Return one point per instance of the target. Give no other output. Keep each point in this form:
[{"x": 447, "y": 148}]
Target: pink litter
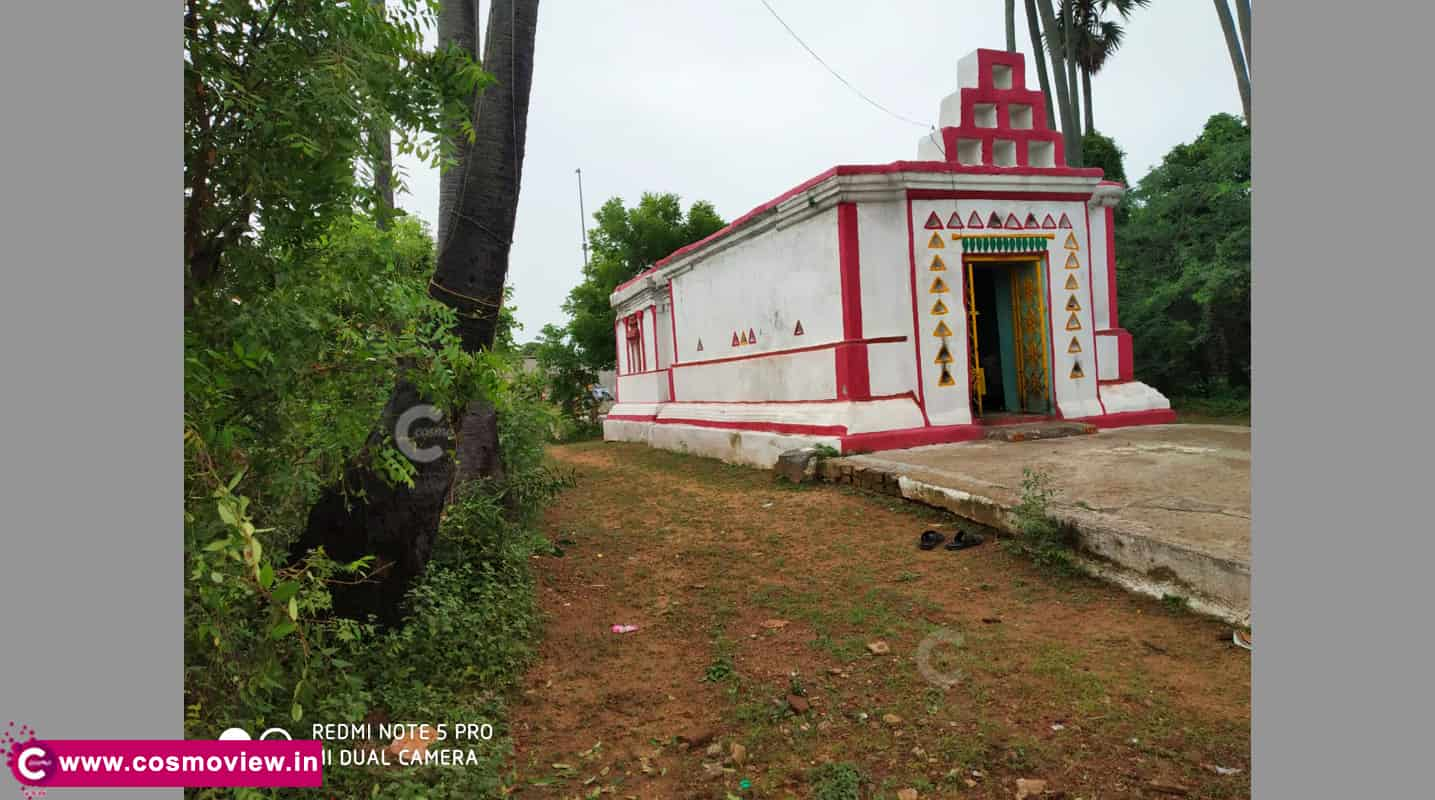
[{"x": 624, "y": 628}]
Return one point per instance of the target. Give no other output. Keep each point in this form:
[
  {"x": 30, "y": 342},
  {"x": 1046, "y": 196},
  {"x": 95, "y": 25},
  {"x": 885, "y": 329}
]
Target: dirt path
[{"x": 1099, "y": 693}]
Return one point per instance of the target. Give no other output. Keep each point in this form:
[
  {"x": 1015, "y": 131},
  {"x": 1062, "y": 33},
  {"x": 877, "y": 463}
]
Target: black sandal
[
  {"x": 963, "y": 540},
  {"x": 930, "y": 539}
]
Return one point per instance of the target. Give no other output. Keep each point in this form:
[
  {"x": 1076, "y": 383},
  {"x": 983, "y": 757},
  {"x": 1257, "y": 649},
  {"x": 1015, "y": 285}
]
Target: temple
[{"x": 886, "y": 306}]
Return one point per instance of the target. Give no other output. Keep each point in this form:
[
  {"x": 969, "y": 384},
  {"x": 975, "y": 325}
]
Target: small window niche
[
  {"x": 984, "y": 115},
  {"x": 1019, "y": 116},
  {"x": 969, "y": 151},
  {"x": 1001, "y": 76},
  {"x": 1040, "y": 154},
  {"x": 1004, "y": 153}
]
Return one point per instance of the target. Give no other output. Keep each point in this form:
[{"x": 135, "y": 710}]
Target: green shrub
[
  {"x": 840, "y": 781},
  {"x": 1039, "y": 536}
]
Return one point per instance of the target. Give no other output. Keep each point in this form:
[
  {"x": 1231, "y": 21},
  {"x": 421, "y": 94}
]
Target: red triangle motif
[
  {"x": 955, "y": 220},
  {"x": 974, "y": 221},
  {"x": 798, "y": 330},
  {"x": 1011, "y": 222},
  {"x": 994, "y": 221},
  {"x": 1048, "y": 223},
  {"x": 735, "y": 341},
  {"x": 933, "y": 221},
  {"x": 1031, "y": 221},
  {"x": 1065, "y": 221},
  {"x": 751, "y": 336}
]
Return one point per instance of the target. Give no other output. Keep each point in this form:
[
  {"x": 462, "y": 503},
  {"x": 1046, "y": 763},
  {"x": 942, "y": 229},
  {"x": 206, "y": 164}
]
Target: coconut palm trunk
[
  {"x": 1011, "y": 26},
  {"x": 1238, "y": 61},
  {"x": 1086, "y": 95},
  {"x": 1068, "y": 39},
  {"x": 1058, "y": 74},
  {"x": 1033, "y": 25}
]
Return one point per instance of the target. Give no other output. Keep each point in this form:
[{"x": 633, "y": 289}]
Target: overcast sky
[{"x": 715, "y": 101}]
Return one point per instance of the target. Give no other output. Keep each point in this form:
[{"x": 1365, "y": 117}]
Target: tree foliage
[
  {"x": 279, "y": 101},
  {"x": 625, "y": 242},
  {"x": 1102, "y": 151},
  {"x": 1184, "y": 264}
]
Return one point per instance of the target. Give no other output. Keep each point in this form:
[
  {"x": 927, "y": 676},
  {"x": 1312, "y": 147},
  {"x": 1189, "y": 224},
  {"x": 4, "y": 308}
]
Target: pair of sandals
[{"x": 961, "y": 540}]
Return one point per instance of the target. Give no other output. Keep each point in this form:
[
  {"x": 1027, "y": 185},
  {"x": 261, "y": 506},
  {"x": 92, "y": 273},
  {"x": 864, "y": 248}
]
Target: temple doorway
[{"x": 1007, "y": 339}]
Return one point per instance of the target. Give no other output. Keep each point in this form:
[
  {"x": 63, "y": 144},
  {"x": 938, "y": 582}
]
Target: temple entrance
[{"x": 1007, "y": 339}]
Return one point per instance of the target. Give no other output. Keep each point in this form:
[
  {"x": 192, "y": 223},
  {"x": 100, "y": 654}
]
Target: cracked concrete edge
[{"x": 1111, "y": 549}]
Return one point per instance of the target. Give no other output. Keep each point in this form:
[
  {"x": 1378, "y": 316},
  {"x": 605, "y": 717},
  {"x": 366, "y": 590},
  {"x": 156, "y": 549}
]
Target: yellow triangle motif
[
  {"x": 939, "y": 286},
  {"x": 939, "y": 308},
  {"x": 942, "y": 330},
  {"x": 1072, "y": 323},
  {"x": 938, "y": 265},
  {"x": 1076, "y": 370},
  {"x": 946, "y": 379},
  {"x": 936, "y": 241},
  {"x": 1072, "y": 262},
  {"x": 1071, "y": 242},
  {"x": 944, "y": 355},
  {"x": 1072, "y": 304},
  {"x": 1074, "y": 347},
  {"x": 1071, "y": 284},
  {"x": 742, "y": 339}
]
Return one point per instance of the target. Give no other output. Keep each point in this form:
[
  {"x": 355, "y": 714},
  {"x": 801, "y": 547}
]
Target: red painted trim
[
  {"x": 644, "y": 372},
  {"x": 1125, "y": 366},
  {"x": 963, "y": 194},
  {"x": 854, "y": 380},
  {"x": 901, "y": 396},
  {"x": 632, "y": 417},
  {"x": 916, "y": 319},
  {"x": 895, "y": 167},
  {"x": 1126, "y": 419},
  {"x": 1110, "y": 266},
  {"x": 910, "y": 437},
  {"x": 673, "y": 323},
  {"x": 791, "y": 351},
  {"x": 1091, "y": 305},
  {"x": 761, "y": 427},
  {"x": 672, "y": 390}
]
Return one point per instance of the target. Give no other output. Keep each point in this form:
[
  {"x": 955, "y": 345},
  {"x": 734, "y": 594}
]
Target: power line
[{"x": 838, "y": 76}]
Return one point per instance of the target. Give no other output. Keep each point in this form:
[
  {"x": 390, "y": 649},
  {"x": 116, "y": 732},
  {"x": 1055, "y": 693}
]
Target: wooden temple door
[{"x": 1029, "y": 319}]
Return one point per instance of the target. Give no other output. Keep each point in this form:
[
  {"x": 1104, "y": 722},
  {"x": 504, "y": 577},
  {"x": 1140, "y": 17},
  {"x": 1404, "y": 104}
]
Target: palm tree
[
  {"x": 1070, "y": 126},
  {"x": 1240, "y": 60},
  {"x": 1011, "y": 26},
  {"x": 1033, "y": 24},
  {"x": 1094, "y": 40}
]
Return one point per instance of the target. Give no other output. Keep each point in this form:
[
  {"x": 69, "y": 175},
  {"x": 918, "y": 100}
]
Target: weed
[
  {"x": 720, "y": 670},
  {"x": 1040, "y": 537},
  {"x": 906, "y": 576},
  {"x": 1175, "y": 602},
  {"x": 825, "y": 451},
  {"x": 840, "y": 781}
]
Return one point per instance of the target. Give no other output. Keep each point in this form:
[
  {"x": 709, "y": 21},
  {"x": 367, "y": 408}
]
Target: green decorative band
[{"x": 1004, "y": 244}]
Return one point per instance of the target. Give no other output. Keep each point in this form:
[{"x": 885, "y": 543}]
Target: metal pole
[{"x": 582, "y": 217}]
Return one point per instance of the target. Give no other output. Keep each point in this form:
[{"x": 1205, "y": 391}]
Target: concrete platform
[{"x": 1161, "y": 509}]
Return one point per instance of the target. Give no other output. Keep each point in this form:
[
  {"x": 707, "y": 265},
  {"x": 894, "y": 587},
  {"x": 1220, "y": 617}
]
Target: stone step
[{"x": 1031, "y": 431}]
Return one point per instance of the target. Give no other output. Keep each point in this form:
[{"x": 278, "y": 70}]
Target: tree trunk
[
  {"x": 1238, "y": 62},
  {"x": 1243, "y": 18},
  {"x": 1058, "y": 74},
  {"x": 478, "y": 201},
  {"x": 382, "y": 151},
  {"x": 364, "y": 515},
  {"x": 1011, "y": 26},
  {"x": 1086, "y": 92},
  {"x": 1039, "y": 56},
  {"x": 479, "y": 196},
  {"x": 1069, "y": 40}
]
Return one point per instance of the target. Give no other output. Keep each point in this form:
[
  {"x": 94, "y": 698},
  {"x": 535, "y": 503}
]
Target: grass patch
[{"x": 841, "y": 781}]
